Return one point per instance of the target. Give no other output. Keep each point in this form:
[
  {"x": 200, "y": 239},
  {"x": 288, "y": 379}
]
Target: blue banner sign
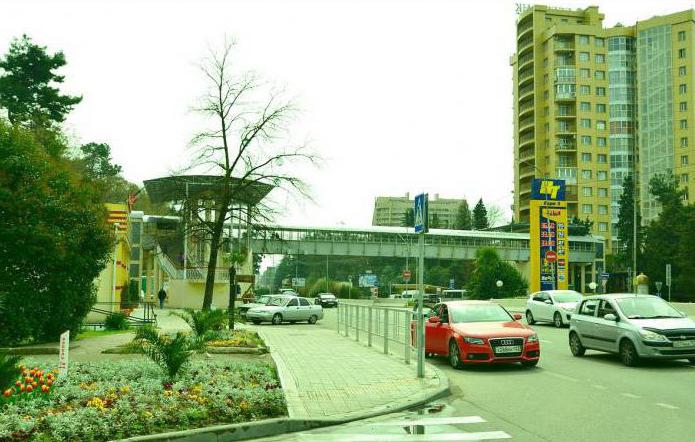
[{"x": 548, "y": 189}]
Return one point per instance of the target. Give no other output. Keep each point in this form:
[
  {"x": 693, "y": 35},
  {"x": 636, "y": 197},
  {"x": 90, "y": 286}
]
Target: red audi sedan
[{"x": 479, "y": 332}]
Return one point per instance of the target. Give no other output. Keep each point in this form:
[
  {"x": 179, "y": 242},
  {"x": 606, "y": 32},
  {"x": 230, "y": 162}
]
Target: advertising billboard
[{"x": 549, "y": 236}]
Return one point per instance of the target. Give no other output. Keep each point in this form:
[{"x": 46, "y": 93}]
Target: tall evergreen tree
[
  {"x": 463, "y": 217},
  {"x": 626, "y": 224},
  {"x": 480, "y": 221},
  {"x": 28, "y": 85}
]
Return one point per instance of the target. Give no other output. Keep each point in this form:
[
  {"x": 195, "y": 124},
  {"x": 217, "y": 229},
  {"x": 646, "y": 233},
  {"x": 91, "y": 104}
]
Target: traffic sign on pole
[
  {"x": 668, "y": 275},
  {"x": 551, "y": 256},
  {"x": 420, "y": 212}
]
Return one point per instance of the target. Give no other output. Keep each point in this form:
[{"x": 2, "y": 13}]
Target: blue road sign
[{"x": 420, "y": 209}]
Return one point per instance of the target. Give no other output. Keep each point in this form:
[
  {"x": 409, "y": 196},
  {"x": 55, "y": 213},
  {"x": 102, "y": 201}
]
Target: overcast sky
[{"x": 396, "y": 96}]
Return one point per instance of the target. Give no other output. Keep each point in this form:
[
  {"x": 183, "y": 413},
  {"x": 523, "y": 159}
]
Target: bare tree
[
  {"x": 246, "y": 145},
  {"x": 495, "y": 215}
]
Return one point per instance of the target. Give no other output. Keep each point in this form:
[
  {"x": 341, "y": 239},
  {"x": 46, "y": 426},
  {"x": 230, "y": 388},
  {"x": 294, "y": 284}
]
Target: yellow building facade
[{"x": 594, "y": 105}]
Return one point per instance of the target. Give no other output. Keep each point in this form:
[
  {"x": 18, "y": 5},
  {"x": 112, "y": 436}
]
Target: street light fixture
[
  {"x": 592, "y": 286},
  {"x": 499, "y": 285}
]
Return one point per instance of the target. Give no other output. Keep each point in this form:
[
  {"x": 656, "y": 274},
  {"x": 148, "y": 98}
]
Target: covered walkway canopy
[{"x": 205, "y": 187}]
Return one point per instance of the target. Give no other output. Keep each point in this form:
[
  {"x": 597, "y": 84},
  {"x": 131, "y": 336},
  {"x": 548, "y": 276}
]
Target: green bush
[
  {"x": 203, "y": 321},
  {"x": 117, "y": 321},
  {"x": 171, "y": 354},
  {"x": 8, "y": 370},
  {"x": 54, "y": 237},
  {"x": 489, "y": 269}
]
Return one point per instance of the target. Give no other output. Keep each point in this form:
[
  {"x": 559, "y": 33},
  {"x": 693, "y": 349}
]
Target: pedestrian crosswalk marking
[{"x": 436, "y": 421}]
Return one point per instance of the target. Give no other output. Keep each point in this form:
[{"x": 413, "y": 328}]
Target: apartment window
[
  {"x": 601, "y": 141},
  {"x": 545, "y": 60},
  {"x": 546, "y": 144},
  {"x": 681, "y": 53},
  {"x": 583, "y": 39},
  {"x": 585, "y": 106},
  {"x": 546, "y": 126},
  {"x": 681, "y": 35},
  {"x": 583, "y": 56},
  {"x": 600, "y": 42},
  {"x": 602, "y": 175},
  {"x": 684, "y": 178},
  {"x": 600, "y": 75},
  {"x": 546, "y": 111},
  {"x": 586, "y": 191},
  {"x": 545, "y": 79},
  {"x": 684, "y": 160},
  {"x": 600, "y": 58},
  {"x": 602, "y": 210},
  {"x": 587, "y": 208},
  {"x": 681, "y": 71},
  {"x": 586, "y": 123},
  {"x": 683, "y": 106},
  {"x": 584, "y": 73},
  {"x": 586, "y": 174},
  {"x": 586, "y": 157},
  {"x": 545, "y": 95},
  {"x": 682, "y": 89},
  {"x": 601, "y": 91},
  {"x": 584, "y": 89},
  {"x": 586, "y": 140},
  {"x": 601, "y": 124},
  {"x": 601, "y": 108},
  {"x": 684, "y": 124},
  {"x": 684, "y": 142},
  {"x": 602, "y": 227},
  {"x": 603, "y": 192},
  {"x": 601, "y": 158}
]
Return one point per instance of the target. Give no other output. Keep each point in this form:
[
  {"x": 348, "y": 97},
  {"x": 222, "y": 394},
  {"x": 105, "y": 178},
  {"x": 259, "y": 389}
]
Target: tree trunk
[
  {"x": 212, "y": 261},
  {"x": 232, "y": 296}
]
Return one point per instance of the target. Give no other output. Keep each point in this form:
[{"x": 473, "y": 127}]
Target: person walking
[{"x": 161, "y": 295}]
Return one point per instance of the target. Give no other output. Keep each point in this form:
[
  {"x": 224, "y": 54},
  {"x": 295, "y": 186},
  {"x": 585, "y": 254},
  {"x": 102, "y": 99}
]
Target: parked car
[
  {"x": 261, "y": 300},
  {"x": 554, "y": 306},
  {"x": 479, "y": 332},
  {"x": 431, "y": 298},
  {"x": 326, "y": 300},
  {"x": 286, "y": 309},
  {"x": 633, "y": 326}
]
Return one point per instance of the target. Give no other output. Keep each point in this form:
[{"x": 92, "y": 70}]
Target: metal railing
[
  {"x": 379, "y": 326},
  {"x": 143, "y": 315}
]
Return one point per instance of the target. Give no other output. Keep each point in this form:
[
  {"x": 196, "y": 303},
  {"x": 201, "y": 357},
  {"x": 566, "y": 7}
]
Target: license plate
[
  {"x": 508, "y": 349},
  {"x": 690, "y": 343}
]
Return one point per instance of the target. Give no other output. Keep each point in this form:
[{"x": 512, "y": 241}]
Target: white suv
[{"x": 554, "y": 306}]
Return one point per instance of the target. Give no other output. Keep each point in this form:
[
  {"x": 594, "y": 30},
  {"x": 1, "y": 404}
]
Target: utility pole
[{"x": 421, "y": 227}]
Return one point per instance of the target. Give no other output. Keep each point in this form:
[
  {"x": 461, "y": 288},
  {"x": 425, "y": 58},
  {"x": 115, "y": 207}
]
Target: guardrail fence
[{"x": 378, "y": 326}]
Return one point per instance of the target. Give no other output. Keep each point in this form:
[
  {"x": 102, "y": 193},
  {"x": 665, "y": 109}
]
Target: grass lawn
[{"x": 95, "y": 333}]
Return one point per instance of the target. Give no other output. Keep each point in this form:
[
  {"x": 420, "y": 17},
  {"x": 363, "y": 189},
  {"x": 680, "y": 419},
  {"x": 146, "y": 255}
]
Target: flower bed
[
  {"x": 236, "y": 338},
  {"x": 105, "y": 401}
]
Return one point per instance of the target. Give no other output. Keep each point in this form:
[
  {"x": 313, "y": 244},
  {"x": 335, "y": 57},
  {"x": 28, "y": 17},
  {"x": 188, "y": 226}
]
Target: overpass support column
[{"x": 583, "y": 279}]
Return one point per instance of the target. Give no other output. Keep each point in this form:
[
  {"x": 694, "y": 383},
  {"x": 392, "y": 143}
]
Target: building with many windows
[
  {"x": 390, "y": 211},
  {"x": 593, "y": 105}
]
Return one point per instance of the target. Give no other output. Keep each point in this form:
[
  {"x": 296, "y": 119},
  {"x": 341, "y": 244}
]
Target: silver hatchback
[{"x": 633, "y": 326}]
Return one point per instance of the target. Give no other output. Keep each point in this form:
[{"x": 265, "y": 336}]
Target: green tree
[
  {"x": 463, "y": 217},
  {"x": 53, "y": 240},
  {"x": 28, "y": 85},
  {"x": 434, "y": 221},
  {"x": 480, "y": 221},
  {"x": 409, "y": 218},
  {"x": 626, "y": 225},
  {"x": 489, "y": 269},
  {"x": 97, "y": 161}
]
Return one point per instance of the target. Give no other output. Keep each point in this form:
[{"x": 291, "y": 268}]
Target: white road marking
[
  {"x": 669, "y": 406},
  {"x": 482, "y": 435},
  {"x": 436, "y": 421},
  {"x": 631, "y": 396},
  {"x": 562, "y": 376},
  {"x": 599, "y": 386}
]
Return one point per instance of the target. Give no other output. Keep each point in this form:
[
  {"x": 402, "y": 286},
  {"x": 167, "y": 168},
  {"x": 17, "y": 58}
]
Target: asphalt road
[{"x": 594, "y": 398}]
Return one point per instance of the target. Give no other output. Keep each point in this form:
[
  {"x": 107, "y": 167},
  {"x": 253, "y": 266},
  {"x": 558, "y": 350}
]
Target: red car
[{"x": 479, "y": 332}]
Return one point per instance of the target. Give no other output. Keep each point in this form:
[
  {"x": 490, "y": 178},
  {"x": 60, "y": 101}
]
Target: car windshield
[
  {"x": 277, "y": 301},
  {"x": 263, "y": 299},
  {"x": 478, "y": 313},
  {"x": 644, "y": 307},
  {"x": 568, "y": 296}
]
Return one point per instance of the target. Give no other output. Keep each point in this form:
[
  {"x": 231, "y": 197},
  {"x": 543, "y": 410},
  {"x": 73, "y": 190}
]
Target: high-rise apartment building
[
  {"x": 593, "y": 105},
  {"x": 390, "y": 211}
]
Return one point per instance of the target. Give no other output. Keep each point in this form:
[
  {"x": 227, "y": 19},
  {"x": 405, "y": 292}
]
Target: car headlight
[
  {"x": 651, "y": 336},
  {"x": 532, "y": 338},
  {"x": 478, "y": 341}
]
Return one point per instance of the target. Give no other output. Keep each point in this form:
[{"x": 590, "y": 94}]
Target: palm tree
[{"x": 171, "y": 354}]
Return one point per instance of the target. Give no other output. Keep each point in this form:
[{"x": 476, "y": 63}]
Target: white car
[{"x": 554, "y": 306}]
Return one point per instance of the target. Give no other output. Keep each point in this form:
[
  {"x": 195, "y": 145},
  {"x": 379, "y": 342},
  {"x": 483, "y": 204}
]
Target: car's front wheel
[
  {"x": 313, "y": 319},
  {"x": 529, "y": 318},
  {"x": 454, "y": 354},
  {"x": 576, "y": 345},
  {"x": 628, "y": 353},
  {"x": 277, "y": 319},
  {"x": 557, "y": 320}
]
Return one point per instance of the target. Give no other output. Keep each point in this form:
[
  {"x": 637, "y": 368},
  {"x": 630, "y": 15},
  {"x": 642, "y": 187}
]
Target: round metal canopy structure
[{"x": 205, "y": 187}]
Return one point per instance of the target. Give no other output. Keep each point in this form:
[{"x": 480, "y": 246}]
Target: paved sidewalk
[{"x": 326, "y": 376}]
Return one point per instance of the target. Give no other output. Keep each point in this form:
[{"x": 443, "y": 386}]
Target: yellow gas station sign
[{"x": 549, "y": 236}]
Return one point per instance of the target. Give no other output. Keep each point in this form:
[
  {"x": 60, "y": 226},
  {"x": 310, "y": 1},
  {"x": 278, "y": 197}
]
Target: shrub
[
  {"x": 117, "y": 321},
  {"x": 490, "y": 269},
  {"x": 203, "y": 321},
  {"x": 171, "y": 354}
]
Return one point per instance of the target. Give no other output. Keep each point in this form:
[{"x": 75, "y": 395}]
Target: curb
[{"x": 36, "y": 350}]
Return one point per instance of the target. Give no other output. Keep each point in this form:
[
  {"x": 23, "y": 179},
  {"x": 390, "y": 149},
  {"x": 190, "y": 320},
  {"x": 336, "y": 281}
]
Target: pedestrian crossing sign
[{"x": 420, "y": 212}]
